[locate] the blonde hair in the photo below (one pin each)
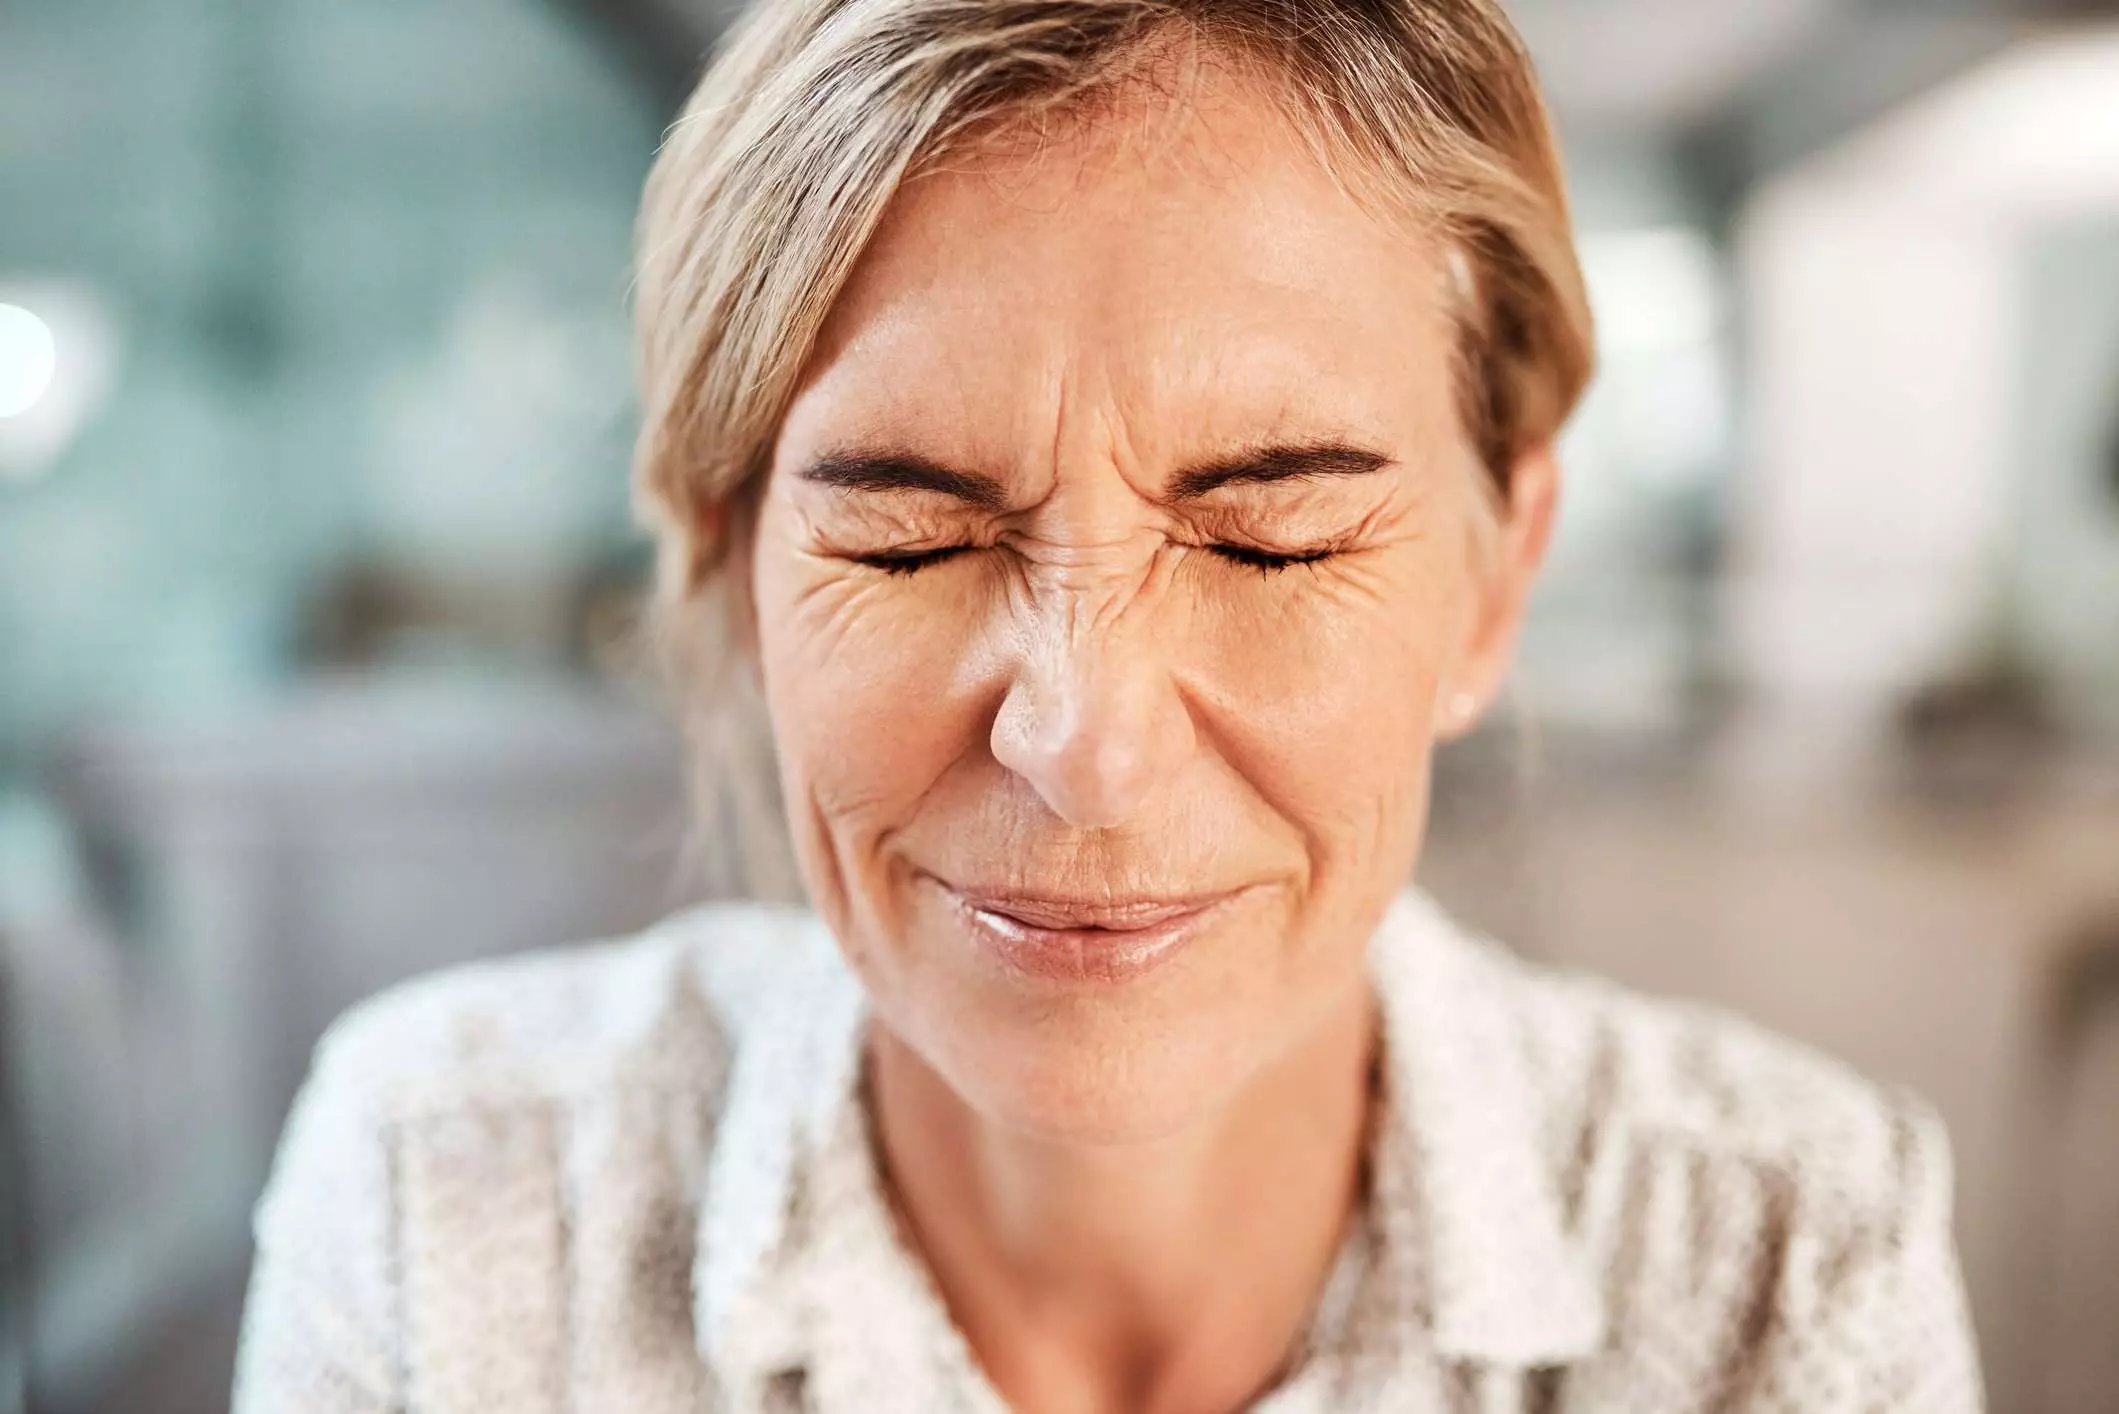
(814, 112)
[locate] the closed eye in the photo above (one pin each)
(909, 562)
(1265, 561)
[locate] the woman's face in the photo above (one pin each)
(1120, 557)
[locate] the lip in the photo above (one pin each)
(1084, 941)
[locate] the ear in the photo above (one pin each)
(1504, 572)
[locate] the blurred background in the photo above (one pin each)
(315, 569)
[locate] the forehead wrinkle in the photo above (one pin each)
(1129, 403)
(1153, 369)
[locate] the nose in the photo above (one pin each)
(1094, 722)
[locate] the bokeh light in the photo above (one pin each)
(29, 357)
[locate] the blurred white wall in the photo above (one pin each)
(2064, 540)
(1887, 292)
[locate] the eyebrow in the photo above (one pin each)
(857, 471)
(895, 471)
(1268, 464)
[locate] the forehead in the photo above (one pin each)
(1180, 259)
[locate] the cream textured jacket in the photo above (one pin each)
(636, 1177)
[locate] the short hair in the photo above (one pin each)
(815, 112)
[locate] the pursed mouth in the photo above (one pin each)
(1073, 941)
(1077, 915)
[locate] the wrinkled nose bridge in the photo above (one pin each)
(1092, 718)
(1089, 659)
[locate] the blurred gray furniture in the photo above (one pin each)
(266, 874)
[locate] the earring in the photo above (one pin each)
(1463, 706)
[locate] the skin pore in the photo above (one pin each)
(1122, 551)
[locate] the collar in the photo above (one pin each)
(793, 1082)
(798, 1267)
(1469, 1199)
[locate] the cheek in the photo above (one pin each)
(860, 675)
(1324, 699)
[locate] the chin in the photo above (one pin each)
(1080, 1086)
(1071, 1050)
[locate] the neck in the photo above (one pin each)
(1102, 1279)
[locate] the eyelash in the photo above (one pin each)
(1264, 561)
(912, 563)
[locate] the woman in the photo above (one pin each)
(1119, 434)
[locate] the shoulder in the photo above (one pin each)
(1735, 1201)
(1680, 1086)
(662, 1010)
(506, 1103)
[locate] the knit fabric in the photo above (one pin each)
(637, 1176)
